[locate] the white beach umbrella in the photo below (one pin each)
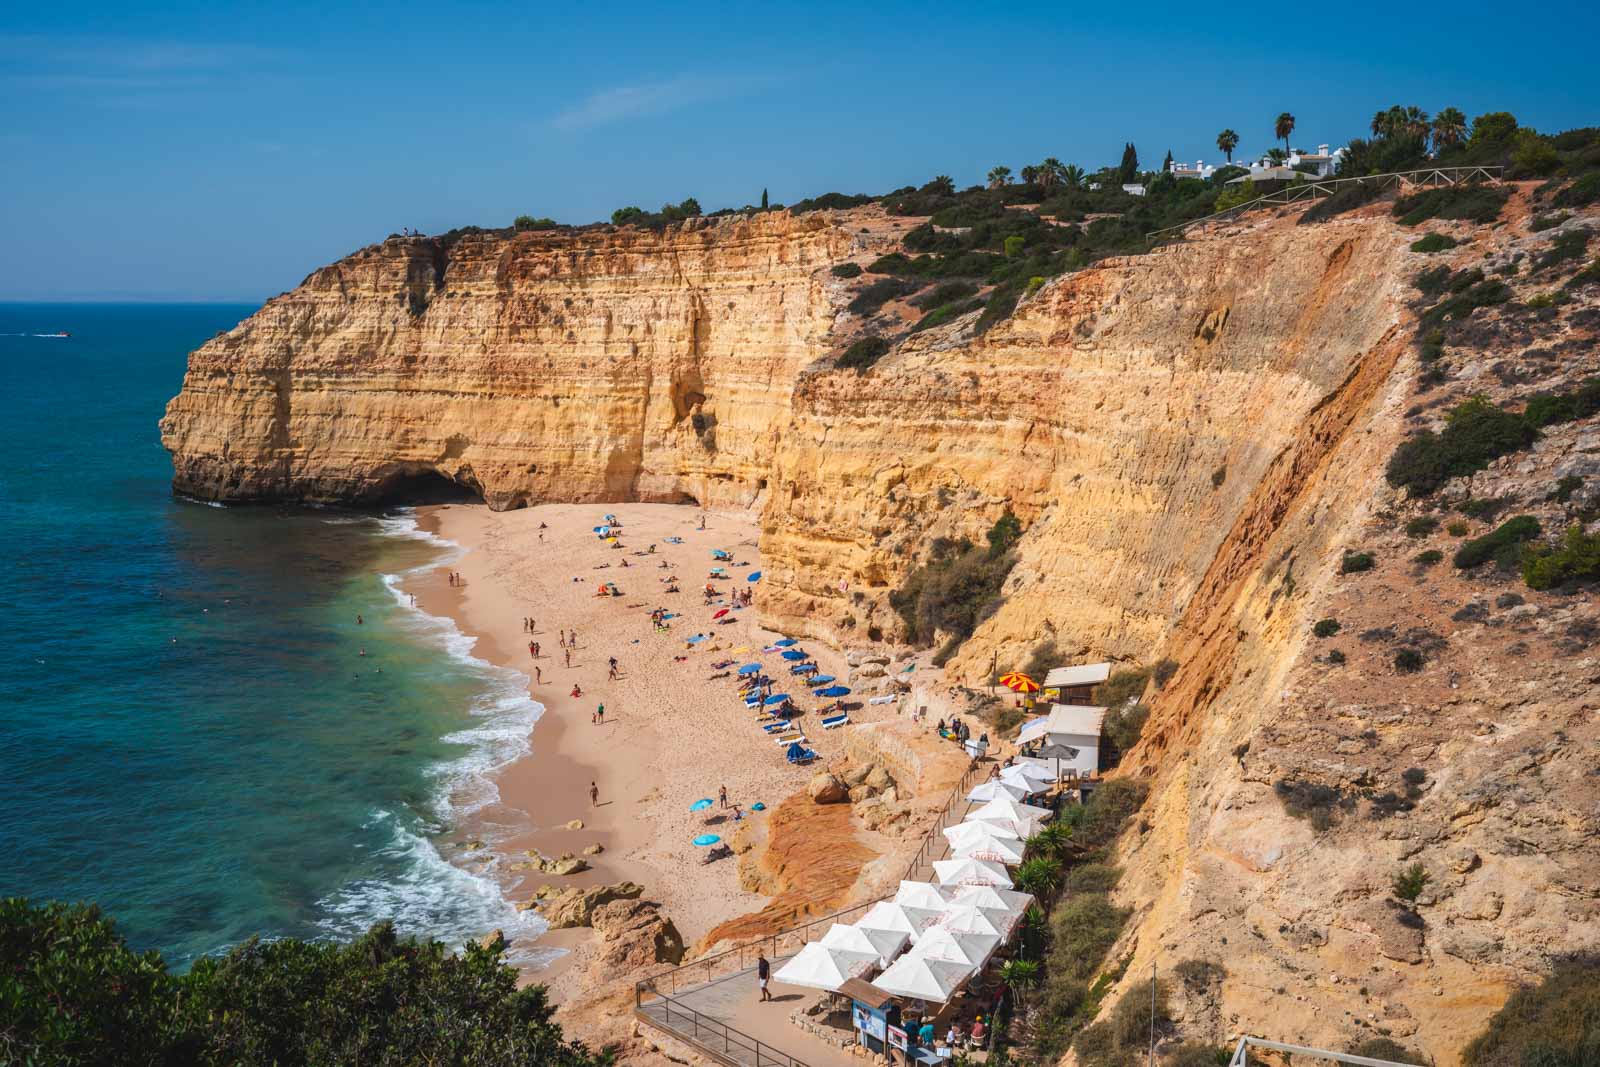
(921, 979)
(1024, 779)
(1001, 826)
(924, 895)
(956, 946)
(971, 919)
(991, 847)
(999, 787)
(819, 967)
(971, 872)
(886, 944)
(887, 915)
(963, 833)
(992, 898)
(1006, 808)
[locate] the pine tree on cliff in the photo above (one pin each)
(1129, 168)
(763, 200)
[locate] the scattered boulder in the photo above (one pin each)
(877, 659)
(636, 934)
(1398, 930)
(594, 849)
(575, 824)
(854, 776)
(878, 780)
(576, 907)
(860, 793)
(566, 866)
(826, 789)
(869, 670)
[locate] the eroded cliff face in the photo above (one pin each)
(602, 365)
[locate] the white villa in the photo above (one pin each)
(1322, 159)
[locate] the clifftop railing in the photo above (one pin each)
(1427, 178)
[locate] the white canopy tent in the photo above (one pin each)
(971, 872)
(1029, 776)
(923, 979)
(964, 832)
(957, 946)
(988, 896)
(887, 944)
(1020, 829)
(991, 847)
(1014, 810)
(887, 915)
(819, 967)
(971, 919)
(923, 895)
(995, 788)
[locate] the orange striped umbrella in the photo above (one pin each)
(1019, 682)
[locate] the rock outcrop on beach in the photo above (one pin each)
(1192, 441)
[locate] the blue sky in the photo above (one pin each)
(211, 151)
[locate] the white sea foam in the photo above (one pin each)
(433, 895)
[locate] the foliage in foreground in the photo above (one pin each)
(1553, 1024)
(72, 992)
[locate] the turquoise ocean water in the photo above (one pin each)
(189, 734)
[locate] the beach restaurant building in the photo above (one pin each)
(1072, 725)
(1075, 685)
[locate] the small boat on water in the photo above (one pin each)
(58, 333)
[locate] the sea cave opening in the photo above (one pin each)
(425, 487)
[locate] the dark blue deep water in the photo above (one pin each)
(189, 734)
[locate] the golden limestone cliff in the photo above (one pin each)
(1191, 439)
(602, 365)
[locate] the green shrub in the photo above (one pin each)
(847, 270)
(1457, 528)
(75, 994)
(1318, 804)
(1475, 203)
(1431, 282)
(1421, 526)
(1504, 545)
(1409, 661)
(1356, 562)
(878, 293)
(1567, 245)
(947, 313)
(1549, 409)
(1434, 242)
(958, 587)
(1564, 489)
(1163, 671)
(1549, 221)
(830, 202)
(1428, 557)
(1092, 878)
(1383, 1048)
(863, 353)
(1576, 559)
(1124, 724)
(528, 222)
(944, 293)
(1335, 657)
(1121, 686)
(1464, 303)
(1476, 432)
(1408, 883)
(1326, 627)
(1117, 1040)
(1482, 507)
(1581, 193)
(1553, 1024)
(1347, 198)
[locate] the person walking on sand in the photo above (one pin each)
(532, 653)
(722, 797)
(538, 675)
(600, 715)
(535, 650)
(568, 654)
(613, 668)
(763, 975)
(594, 795)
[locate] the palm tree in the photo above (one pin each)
(1039, 875)
(1050, 839)
(1050, 172)
(1276, 154)
(1019, 977)
(1283, 128)
(1414, 121)
(1381, 122)
(1033, 927)
(1227, 141)
(1030, 175)
(945, 184)
(1449, 127)
(1073, 176)
(999, 177)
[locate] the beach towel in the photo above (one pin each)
(883, 700)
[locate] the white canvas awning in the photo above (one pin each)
(887, 915)
(988, 896)
(1030, 776)
(956, 946)
(1012, 809)
(971, 872)
(819, 967)
(1082, 674)
(991, 847)
(1021, 830)
(971, 919)
(887, 944)
(996, 788)
(923, 895)
(963, 832)
(1033, 731)
(922, 979)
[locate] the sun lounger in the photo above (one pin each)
(836, 720)
(792, 737)
(883, 700)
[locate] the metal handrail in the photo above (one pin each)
(714, 1028)
(1312, 190)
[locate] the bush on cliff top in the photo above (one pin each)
(863, 354)
(1475, 433)
(75, 994)
(1475, 203)
(1553, 1024)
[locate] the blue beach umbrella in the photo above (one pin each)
(786, 642)
(753, 576)
(697, 638)
(776, 698)
(705, 840)
(834, 691)
(822, 679)
(803, 668)
(758, 806)
(700, 805)
(793, 654)
(750, 668)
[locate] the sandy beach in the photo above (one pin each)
(674, 731)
